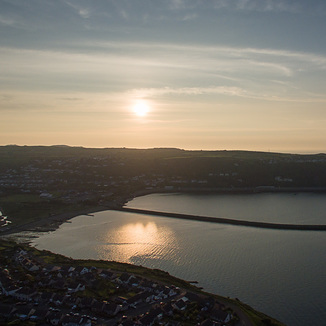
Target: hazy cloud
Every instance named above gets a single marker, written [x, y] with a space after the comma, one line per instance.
[153, 92]
[177, 4]
[7, 21]
[119, 66]
[259, 5]
[83, 12]
[189, 17]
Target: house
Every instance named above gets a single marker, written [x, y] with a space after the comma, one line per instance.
[29, 265]
[106, 274]
[45, 297]
[167, 309]
[220, 315]
[122, 302]
[111, 309]
[85, 322]
[97, 306]
[169, 292]
[23, 312]
[207, 303]
[71, 320]
[58, 299]
[58, 284]
[70, 301]
[134, 281]
[146, 285]
[75, 287]
[86, 302]
[151, 317]
[125, 278]
[54, 318]
[158, 312]
[24, 294]
[81, 270]
[39, 314]
[209, 322]
[128, 322]
[21, 252]
[140, 297]
[9, 289]
[43, 282]
[189, 296]
[7, 310]
[147, 320]
[179, 305]
[66, 271]
[51, 268]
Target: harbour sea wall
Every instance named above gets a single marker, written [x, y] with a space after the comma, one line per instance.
[264, 225]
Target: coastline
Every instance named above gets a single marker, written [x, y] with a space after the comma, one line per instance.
[245, 314]
[53, 222]
[57, 220]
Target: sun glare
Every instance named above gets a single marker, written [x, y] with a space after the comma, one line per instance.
[141, 108]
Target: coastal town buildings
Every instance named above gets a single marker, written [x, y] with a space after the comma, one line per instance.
[70, 294]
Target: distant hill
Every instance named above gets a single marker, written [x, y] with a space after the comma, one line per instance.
[210, 168]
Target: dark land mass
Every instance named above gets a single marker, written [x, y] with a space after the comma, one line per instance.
[42, 288]
[41, 187]
[39, 183]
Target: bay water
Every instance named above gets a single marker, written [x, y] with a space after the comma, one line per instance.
[279, 272]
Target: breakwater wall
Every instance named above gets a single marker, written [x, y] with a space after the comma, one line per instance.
[264, 225]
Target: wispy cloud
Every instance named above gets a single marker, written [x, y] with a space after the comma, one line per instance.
[177, 4]
[83, 12]
[168, 69]
[152, 93]
[7, 21]
[258, 5]
[246, 5]
[232, 52]
[189, 17]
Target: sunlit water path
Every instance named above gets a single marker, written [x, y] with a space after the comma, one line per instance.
[281, 273]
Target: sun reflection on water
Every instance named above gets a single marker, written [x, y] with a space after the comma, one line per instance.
[141, 239]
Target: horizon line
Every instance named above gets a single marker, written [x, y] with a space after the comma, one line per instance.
[172, 148]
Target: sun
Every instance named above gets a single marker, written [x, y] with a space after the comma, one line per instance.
[141, 108]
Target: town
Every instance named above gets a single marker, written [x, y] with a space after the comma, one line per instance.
[41, 187]
[41, 181]
[70, 294]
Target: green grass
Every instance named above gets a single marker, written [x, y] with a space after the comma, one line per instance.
[257, 318]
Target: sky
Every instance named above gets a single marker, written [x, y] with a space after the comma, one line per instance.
[191, 74]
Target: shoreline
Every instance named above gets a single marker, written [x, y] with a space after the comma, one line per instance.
[53, 222]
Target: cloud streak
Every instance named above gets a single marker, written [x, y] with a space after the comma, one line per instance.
[152, 93]
[83, 12]
[167, 69]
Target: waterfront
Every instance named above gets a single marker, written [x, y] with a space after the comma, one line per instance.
[278, 272]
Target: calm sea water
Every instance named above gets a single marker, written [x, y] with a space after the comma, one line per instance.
[281, 273]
